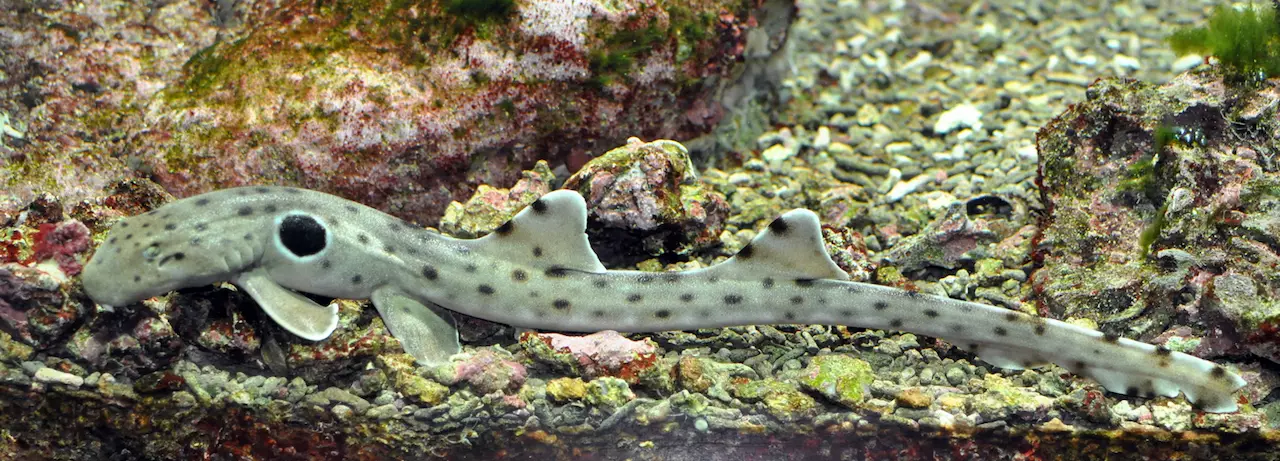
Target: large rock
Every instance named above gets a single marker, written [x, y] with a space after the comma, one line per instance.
[1164, 211]
[402, 105]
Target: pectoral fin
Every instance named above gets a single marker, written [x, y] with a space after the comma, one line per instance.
[426, 331]
[292, 311]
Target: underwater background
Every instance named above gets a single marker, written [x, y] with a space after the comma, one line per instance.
[1062, 159]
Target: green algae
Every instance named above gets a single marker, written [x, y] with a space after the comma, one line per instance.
[13, 351]
[840, 378]
[1246, 41]
[422, 389]
[1152, 232]
[781, 400]
[565, 390]
[608, 392]
[1003, 398]
[619, 52]
[482, 10]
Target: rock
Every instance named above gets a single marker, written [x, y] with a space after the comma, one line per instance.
[913, 397]
[334, 394]
[383, 412]
[490, 207]
[644, 200]
[13, 351]
[403, 105]
[32, 304]
[840, 378]
[1105, 170]
[161, 381]
[606, 353]
[564, 390]
[962, 116]
[486, 371]
[782, 400]
[942, 243]
[51, 376]
[608, 392]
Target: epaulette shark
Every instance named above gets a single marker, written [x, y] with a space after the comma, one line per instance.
[538, 271]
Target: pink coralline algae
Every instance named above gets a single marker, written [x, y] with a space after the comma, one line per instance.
[605, 353]
[487, 371]
[62, 242]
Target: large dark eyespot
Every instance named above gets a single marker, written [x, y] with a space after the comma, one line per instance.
[302, 235]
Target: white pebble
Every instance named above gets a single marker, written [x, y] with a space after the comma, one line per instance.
[1121, 61]
[903, 188]
[822, 139]
[49, 375]
[775, 154]
[899, 148]
[964, 115]
[1186, 63]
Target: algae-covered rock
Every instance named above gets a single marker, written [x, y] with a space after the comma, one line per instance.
[490, 206]
[486, 370]
[644, 200]
[566, 389]
[1162, 215]
[13, 351]
[840, 378]
[782, 400]
[422, 389]
[605, 353]
[1003, 399]
[608, 392]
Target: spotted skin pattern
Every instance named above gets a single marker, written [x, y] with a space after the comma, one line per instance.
[538, 271]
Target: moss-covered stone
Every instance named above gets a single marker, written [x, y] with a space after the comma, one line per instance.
[13, 351]
[840, 378]
[608, 392]
[564, 390]
[781, 400]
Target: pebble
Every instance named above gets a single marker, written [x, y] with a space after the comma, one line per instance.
[903, 188]
[31, 367]
[965, 115]
[899, 148]
[1121, 61]
[1186, 63]
[342, 412]
[840, 149]
[381, 412]
[342, 396]
[867, 115]
[956, 375]
[913, 397]
[51, 376]
[822, 139]
[1069, 78]
[775, 154]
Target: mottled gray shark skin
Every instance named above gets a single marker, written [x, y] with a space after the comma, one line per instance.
[538, 271]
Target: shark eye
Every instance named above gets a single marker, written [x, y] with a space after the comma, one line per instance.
[151, 252]
[302, 235]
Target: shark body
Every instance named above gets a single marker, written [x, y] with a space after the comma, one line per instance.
[538, 271]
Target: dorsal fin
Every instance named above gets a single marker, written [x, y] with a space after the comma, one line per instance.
[790, 247]
[550, 232]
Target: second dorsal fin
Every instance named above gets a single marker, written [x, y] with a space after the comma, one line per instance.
[790, 247]
[550, 232]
